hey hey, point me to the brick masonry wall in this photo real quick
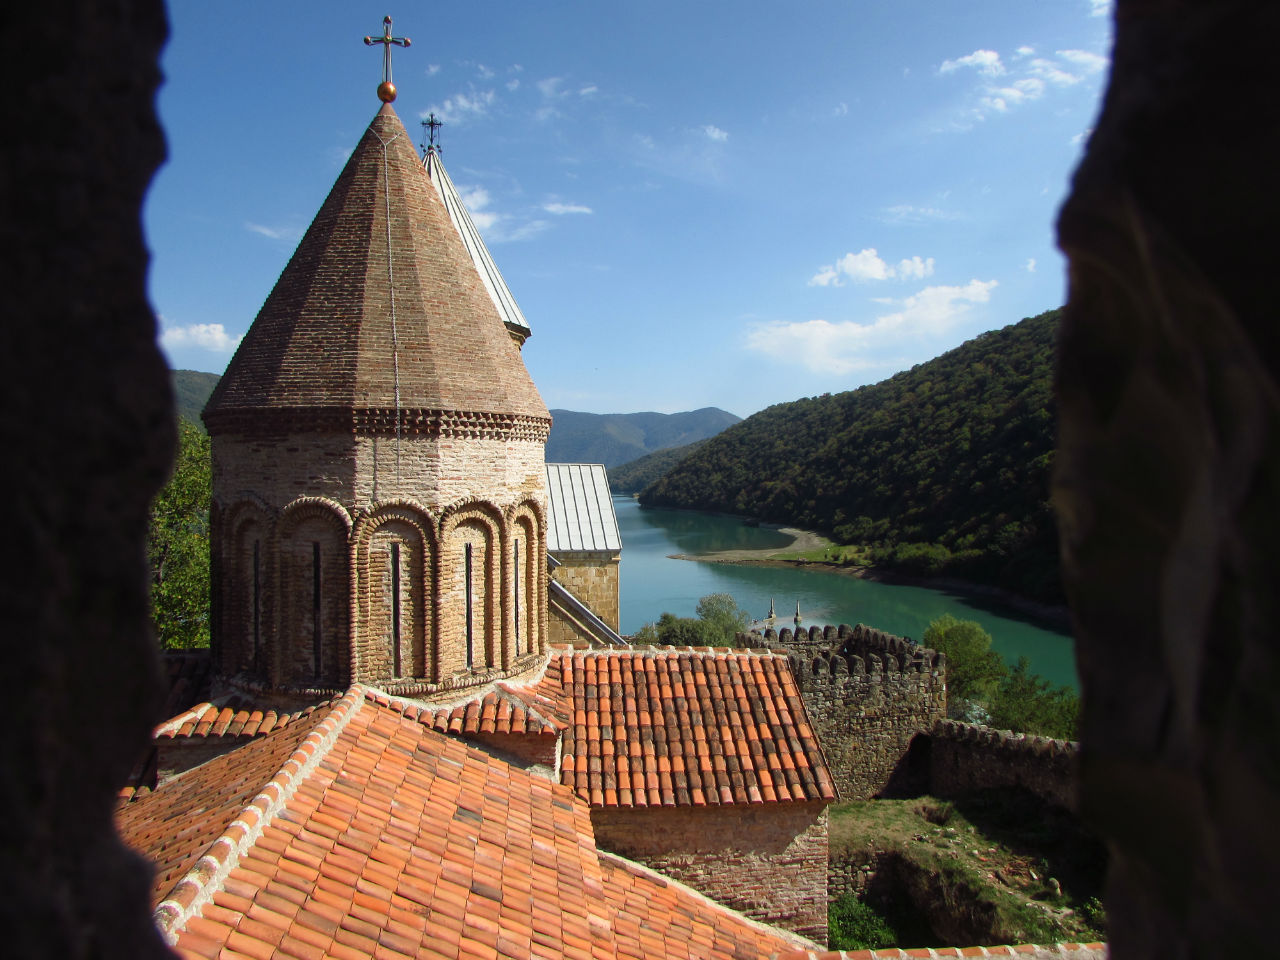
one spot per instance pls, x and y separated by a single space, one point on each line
869 695
964 757
530 748
287 492
767 860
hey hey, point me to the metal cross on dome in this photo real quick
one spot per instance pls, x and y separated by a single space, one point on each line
431 127
387 89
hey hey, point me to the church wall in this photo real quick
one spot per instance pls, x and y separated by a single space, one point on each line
594 579
441 471
767 860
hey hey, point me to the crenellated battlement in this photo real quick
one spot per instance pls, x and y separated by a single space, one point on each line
868 693
965 757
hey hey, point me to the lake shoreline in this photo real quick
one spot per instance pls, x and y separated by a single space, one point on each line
1057 616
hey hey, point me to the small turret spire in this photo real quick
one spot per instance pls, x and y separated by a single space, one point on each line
387 89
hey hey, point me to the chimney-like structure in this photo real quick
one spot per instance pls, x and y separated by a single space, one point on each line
379 492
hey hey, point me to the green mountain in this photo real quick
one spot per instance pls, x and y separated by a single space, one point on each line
616 438
941 469
191 391
634 476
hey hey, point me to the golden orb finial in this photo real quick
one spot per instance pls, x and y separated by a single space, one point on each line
386 91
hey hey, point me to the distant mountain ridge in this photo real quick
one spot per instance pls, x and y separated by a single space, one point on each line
634 475
617 438
941 469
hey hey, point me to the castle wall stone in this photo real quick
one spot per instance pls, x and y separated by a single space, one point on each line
869 694
965 757
767 860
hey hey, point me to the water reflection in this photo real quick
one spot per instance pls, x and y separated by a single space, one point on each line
652 583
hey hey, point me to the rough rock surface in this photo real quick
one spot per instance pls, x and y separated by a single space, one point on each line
1168 476
88 434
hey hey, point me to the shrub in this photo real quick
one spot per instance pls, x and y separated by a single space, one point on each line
854 925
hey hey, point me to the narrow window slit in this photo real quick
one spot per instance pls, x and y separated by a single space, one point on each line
315 608
471 657
395 606
517 583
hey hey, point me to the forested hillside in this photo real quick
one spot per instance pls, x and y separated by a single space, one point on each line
191 390
614 438
942 469
634 476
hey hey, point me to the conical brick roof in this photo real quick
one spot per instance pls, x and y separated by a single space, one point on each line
380 309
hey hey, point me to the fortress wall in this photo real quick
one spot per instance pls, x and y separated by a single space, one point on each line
965 757
868 694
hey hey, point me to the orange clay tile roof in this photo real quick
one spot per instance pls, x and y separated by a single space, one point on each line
174 826
370 835
506 710
664 728
228 717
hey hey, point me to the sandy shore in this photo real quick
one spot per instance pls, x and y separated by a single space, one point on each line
800 540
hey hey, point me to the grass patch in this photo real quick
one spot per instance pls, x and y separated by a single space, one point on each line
995 869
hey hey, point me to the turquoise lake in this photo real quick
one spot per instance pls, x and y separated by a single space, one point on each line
653 583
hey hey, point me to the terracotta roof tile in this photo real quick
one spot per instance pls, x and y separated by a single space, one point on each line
359 831
700 728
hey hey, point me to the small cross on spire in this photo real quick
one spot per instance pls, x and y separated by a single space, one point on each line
430 126
387 89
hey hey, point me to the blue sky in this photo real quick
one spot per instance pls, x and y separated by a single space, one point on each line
695 203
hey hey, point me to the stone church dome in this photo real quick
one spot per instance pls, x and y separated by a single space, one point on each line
380 309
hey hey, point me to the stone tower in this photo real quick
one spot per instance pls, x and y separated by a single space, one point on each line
379 495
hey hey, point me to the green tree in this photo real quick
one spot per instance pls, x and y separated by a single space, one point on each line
686 631
178 545
974 670
1026 702
723 617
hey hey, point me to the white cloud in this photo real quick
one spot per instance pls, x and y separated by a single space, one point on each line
513 84
462 106
275 233
867 265
1081 137
1031 265
1089 62
1099 8
909 213
715 133
483 72
1029 78
840 110
1051 71
204 336
433 69
549 87
589 90
559 209
915 268
844 347
986 62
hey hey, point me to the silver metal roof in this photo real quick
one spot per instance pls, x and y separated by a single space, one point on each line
508 309
581 509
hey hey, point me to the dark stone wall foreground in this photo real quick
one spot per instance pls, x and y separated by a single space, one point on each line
1168 476
88 435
